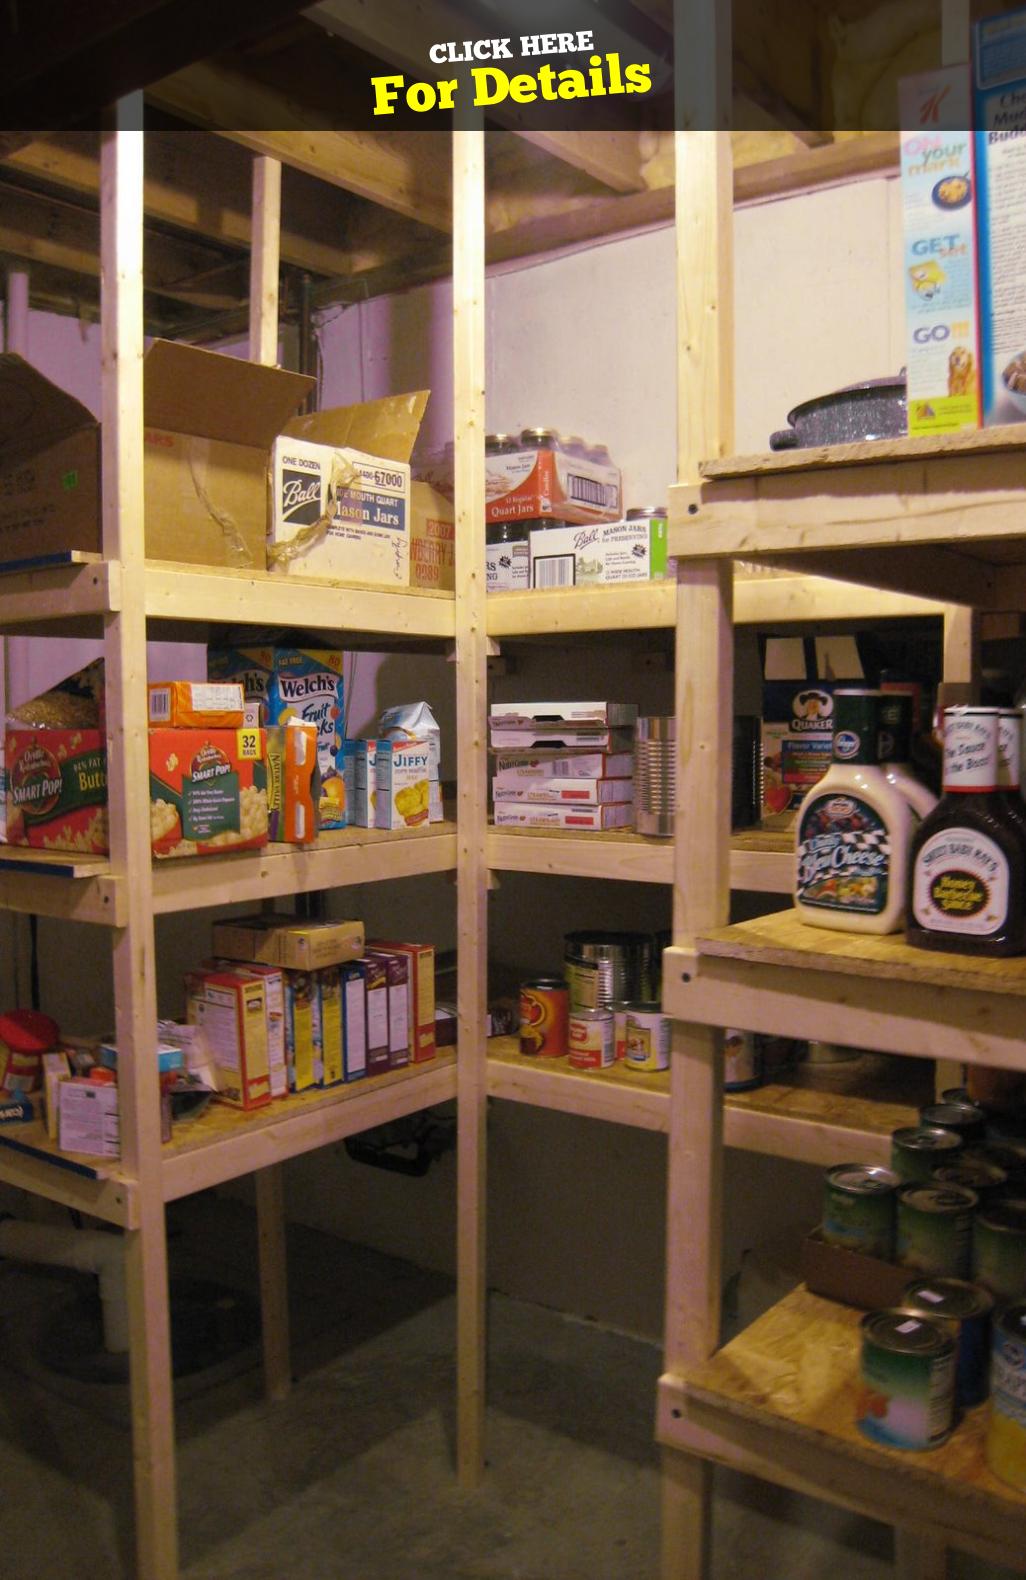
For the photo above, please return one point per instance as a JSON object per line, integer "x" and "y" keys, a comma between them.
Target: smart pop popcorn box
{"x": 208, "y": 791}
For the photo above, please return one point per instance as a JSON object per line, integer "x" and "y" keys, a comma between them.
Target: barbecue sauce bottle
{"x": 968, "y": 869}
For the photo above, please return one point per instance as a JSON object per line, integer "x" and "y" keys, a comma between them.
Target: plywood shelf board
{"x": 30, "y": 1161}
{"x": 225, "y": 1143}
{"x": 794, "y": 1372}
{"x": 983, "y": 441}
{"x": 783, "y": 940}
{"x": 621, "y": 1095}
{"x": 41, "y": 594}
{"x": 760, "y": 859}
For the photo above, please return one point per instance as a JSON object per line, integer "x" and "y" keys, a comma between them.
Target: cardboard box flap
{"x": 214, "y": 396}
{"x": 33, "y": 411}
{"x": 386, "y": 427}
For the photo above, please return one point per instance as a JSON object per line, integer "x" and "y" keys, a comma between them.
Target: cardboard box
{"x": 302, "y": 1030}
{"x": 848, "y": 1276}
{"x": 556, "y": 715}
{"x": 56, "y": 1070}
{"x": 274, "y": 1004}
{"x": 615, "y": 551}
{"x": 375, "y": 979}
{"x": 208, "y": 791}
{"x": 999, "y": 109}
{"x": 360, "y": 765}
{"x": 796, "y": 744}
{"x": 938, "y": 201}
{"x": 354, "y": 1021}
{"x": 579, "y": 817}
{"x": 196, "y": 704}
{"x": 397, "y": 976}
{"x": 507, "y": 566}
{"x": 401, "y": 772}
{"x": 282, "y": 941}
{"x": 421, "y": 959}
{"x": 329, "y": 1024}
{"x": 351, "y": 466}
{"x": 432, "y": 539}
{"x": 210, "y": 421}
{"x": 88, "y": 1120}
{"x": 293, "y": 783}
{"x": 515, "y": 771}
{"x": 57, "y": 789}
{"x": 557, "y": 792}
{"x": 303, "y": 683}
{"x": 231, "y": 1007}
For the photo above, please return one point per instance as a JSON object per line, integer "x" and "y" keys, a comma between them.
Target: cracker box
{"x": 796, "y": 746}
{"x": 940, "y": 276}
{"x": 397, "y": 976}
{"x": 329, "y": 1030}
{"x": 57, "y": 789}
{"x": 354, "y": 1021}
{"x": 302, "y": 683}
{"x": 302, "y": 1047}
{"x": 513, "y": 771}
{"x": 283, "y": 941}
{"x": 401, "y": 772}
{"x": 340, "y": 492}
{"x": 421, "y": 1001}
{"x": 196, "y": 704}
{"x": 231, "y": 1007}
{"x": 565, "y": 792}
{"x": 999, "y": 65}
{"x": 208, "y": 791}
{"x": 510, "y": 815}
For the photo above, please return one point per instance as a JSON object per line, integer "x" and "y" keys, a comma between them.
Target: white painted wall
{"x": 585, "y": 342}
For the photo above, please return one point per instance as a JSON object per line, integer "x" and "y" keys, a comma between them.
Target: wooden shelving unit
{"x": 940, "y": 518}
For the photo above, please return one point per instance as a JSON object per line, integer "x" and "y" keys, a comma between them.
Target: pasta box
{"x": 210, "y": 420}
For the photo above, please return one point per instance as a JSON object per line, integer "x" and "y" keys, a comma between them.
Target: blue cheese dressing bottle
{"x": 854, "y": 831}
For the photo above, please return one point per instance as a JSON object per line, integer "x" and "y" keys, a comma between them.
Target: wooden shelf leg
{"x": 153, "y": 1435}
{"x": 686, "y": 1488}
{"x": 274, "y": 1285}
{"x": 918, "y": 1555}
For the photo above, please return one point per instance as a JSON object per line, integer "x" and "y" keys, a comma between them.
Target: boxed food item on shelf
{"x": 421, "y": 1011}
{"x": 293, "y": 783}
{"x": 513, "y": 770}
{"x": 359, "y": 759}
{"x": 555, "y": 726}
{"x": 414, "y": 721}
{"x": 285, "y": 941}
{"x": 609, "y": 552}
{"x": 169, "y": 1056}
{"x": 375, "y": 981}
{"x": 939, "y": 204}
{"x": 208, "y": 791}
{"x": 561, "y": 792}
{"x": 56, "y": 767}
{"x": 401, "y": 771}
{"x": 397, "y": 977}
{"x": 210, "y": 422}
{"x": 231, "y": 1007}
{"x": 196, "y": 704}
{"x": 56, "y": 1070}
{"x": 302, "y": 1030}
{"x": 195, "y": 1049}
{"x": 576, "y": 817}
{"x": 88, "y": 1120}
{"x": 999, "y": 65}
{"x": 340, "y": 492}
{"x": 354, "y": 1021}
{"x": 432, "y": 539}
{"x": 299, "y": 683}
{"x": 274, "y": 1007}
{"x": 797, "y": 739}
{"x": 329, "y": 1029}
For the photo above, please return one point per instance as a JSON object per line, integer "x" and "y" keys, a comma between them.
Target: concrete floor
{"x": 351, "y": 1478}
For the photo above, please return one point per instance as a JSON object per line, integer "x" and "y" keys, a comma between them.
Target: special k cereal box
{"x": 208, "y": 791}
{"x": 57, "y": 789}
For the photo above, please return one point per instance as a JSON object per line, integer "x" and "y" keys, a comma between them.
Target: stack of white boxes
{"x": 563, "y": 764}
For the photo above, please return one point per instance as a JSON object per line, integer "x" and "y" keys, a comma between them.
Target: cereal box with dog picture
{"x": 940, "y": 263}
{"x": 208, "y": 791}
{"x": 56, "y": 767}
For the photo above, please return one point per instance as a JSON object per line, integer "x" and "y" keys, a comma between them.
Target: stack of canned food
{"x": 604, "y": 1008}
{"x": 952, "y": 1209}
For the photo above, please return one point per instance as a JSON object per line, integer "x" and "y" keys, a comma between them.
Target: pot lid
{"x": 896, "y": 384}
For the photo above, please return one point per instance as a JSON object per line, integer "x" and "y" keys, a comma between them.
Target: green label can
{"x": 965, "y": 1119}
{"x": 907, "y": 1374}
{"x": 999, "y": 1249}
{"x": 973, "y": 1172}
{"x": 1006, "y": 1428}
{"x": 918, "y": 1149}
{"x": 858, "y": 1209}
{"x": 935, "y": 1229}
{"x": 965, "y": 1311}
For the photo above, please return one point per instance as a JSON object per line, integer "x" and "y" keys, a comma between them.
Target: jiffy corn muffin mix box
{"x": 297, "y": 683}
{"x": 403, "y": 796}
{"x": 208, "y": 791}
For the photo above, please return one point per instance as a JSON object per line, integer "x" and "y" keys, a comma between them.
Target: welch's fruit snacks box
{"x": 297, "y": 683}
{"x": 999, "y": 106}
{"x": 940, "y": 277}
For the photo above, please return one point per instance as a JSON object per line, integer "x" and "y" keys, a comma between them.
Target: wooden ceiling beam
{"x": 201, "y": 183}
{"x": 614, "y": 158}
{"x": 407, "y": 173}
